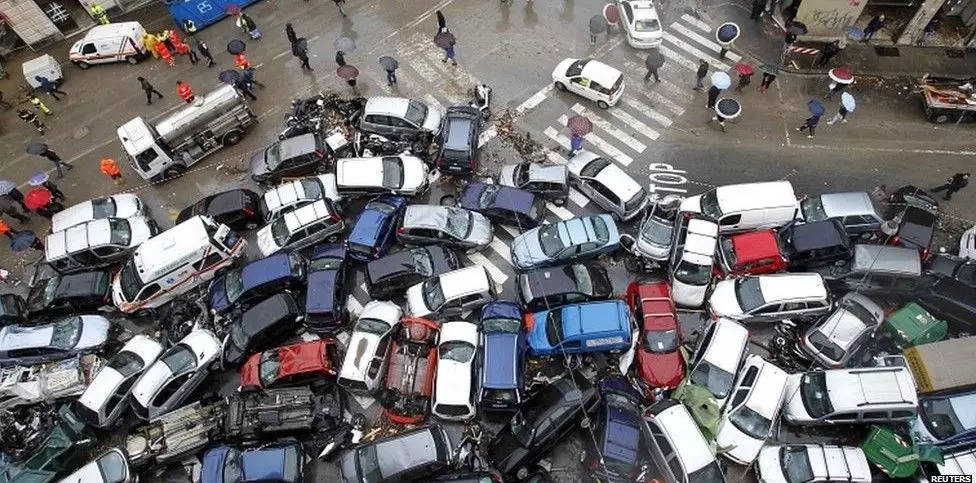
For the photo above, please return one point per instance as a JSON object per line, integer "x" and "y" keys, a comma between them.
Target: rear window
{"x": 813, "y": 209}
{"x": 103, "y": 207}
{"x": 416, "y": 113}
{"x": 392, "y": 173}
{"x": 360, "y": 248}
{"x": 647, "y": 25}
{"x": 601, "y": 230}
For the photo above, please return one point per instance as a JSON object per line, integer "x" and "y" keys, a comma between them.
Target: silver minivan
{"x": 608, "y": 185}
{"x": 399, "y": 116}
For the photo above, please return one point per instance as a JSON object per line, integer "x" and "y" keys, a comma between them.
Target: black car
{"x": 69, "y": 294}
{"x": 459, "y": 140}
{"x": 392, "y": 275}
{"x": 617, "y": 455}
{"x": 953, "y": 302}
{"x": 262, "y": 415}
{"x": 298, "y": 156}
{"x": 544, "y": 420}
{"x": 817, "y": 244}
{"x": 325, "y": 299}
{"x": 261, "y": 326}
{"x": 545, "y": 288}
{"x": 960, "y": 269}
{"x": 237, "y": 208}
{"x": 13, "y": 309}
{"x": 919, "y": 213}
{"x": 503, "y": 204}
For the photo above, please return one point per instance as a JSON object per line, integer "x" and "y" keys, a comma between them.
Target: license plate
{"x": 604, "y": 341}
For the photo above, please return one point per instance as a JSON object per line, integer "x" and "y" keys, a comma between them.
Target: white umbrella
{"x": 721, "y": 80}
{"x": 847, "y": 100}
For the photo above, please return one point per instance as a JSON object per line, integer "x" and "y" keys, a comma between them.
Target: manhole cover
{"x": 887, "y": 51}
{"x": 81, "y": 132}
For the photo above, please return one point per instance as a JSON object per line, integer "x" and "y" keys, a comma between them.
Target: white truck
{"x": 20, "y": 385}
{"x": 169, "y": 147}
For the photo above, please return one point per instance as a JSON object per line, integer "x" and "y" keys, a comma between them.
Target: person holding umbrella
{"x": 247, "y": 24}
{"x": 575, "y": 144}
{"x": 290, "y": 33}
{"x": 653, "y": 62}
{"x": 726, "y": 108}
{"x": 42, "y": 179}
{"x": 41, "y": 149}
{"x": 390, "y": 65}
{"x": 349, "y": 73}
{"x": 9, "y": 188}
{"x": 745, "y": 76}
{"x": 598, "y": 25}
{"x": 720, "y": 82}
{"x": 725, "y": 35}
{"x": 446, "y": 41}
{"x": 441, "y": 23}
{"x": 846, "y": 107}
{"x": 300, "y": 49}
{"x": 816, "y": 110}
{"x": 877, "y": 23}
{"x": 579, "y": 126}
{"x": 8, "y": 207}
{"x": 40, "y": 201}
{"x": 840, "y": 78}
{"x": 22, "y": 240}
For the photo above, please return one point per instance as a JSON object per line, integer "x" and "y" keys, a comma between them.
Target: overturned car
{"x": 410, "y": 371}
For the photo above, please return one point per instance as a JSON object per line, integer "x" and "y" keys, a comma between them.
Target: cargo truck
{"x": 946, "y": 392}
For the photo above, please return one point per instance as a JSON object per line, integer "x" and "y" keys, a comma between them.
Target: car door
{"x": 626, "y": 16}
{"x": 579, "y": 85}
{"x": 378, "y": 123}
{"x": 89, "y": 52}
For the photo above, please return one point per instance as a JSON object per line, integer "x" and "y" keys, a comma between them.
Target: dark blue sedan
{"x": 504, "y": 204}
{"x": 502, "y": 362}
{"x": 375, "y": 228}
{"x": 256, "y": 281}
{"x": 325, "y": 300}
{"x": 282, "y": 462}
{"x": 618, "y": 433}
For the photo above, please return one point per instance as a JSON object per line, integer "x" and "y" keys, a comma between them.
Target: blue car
{"x": 580, "y": 328}
{"x": 568, "y": 241}
{"x": 325, "y": 299}
{"x": 618, "y": 433}
{"x": 502, "y": 359}
{"x": 258, "y": 280}
{"x": 375, "y": 228}
{"x": 281, "y": 462}
{"x": 504, "y": 204}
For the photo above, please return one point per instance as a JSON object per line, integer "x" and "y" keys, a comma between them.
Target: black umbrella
{"x": 23, "y": 241}
{"x": 798, "y": 28}
{"x": 654, "y": 60}
{"x": 229, "y": 76}
{"x": 444, "y": 40}
{"x": 727, "y": 33}
{"x": 347, "y": 72}
{"x": 36, "y": 147}
{"x": 389, "y": 63}
{"x": 728, "y": 108}
{"x": 769, "y": 68}
{"x": 236, "y": 46}
{"x": 598, "y": 24}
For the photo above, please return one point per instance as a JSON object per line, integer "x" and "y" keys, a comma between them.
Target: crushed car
{"x": 410, "y": 371}
{"x": 258, "y": 416}
{"x": 20, "y": 385}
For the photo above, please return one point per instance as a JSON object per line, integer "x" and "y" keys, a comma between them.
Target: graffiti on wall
{"x": 829, "y": 17}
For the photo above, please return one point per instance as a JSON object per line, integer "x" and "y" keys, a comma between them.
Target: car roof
{"x": 268, "y": 313}
{"x": 464, "y": 281}
{"x": 681, "y": 430}
{"x": 501, "y": 354}
{"x": 406, "y": 451}
{"x": 387, "y": 105}
{"x": 819, "y": 234}
{"x": 770, "y": 381}
{"x": 547, "y": 172}
{"x": 601, "y": 73}
{"x": 837, "y": 205}
{"x": 297, "y": 146}
{"x": 791, "y": 286}
{"x": 590, "y": 317}
{"x": 456, "y": 131}
{"x": 657, "y": 306}
{"x": 20, "y": 336}
{"x": 643, "y": 9}
{"x": 724, "y": 355}
{"x": 850, "y": 460}
{"x": 884, "y": 258}
{"x": 428, "y": 216}
{"x": 871, "y": 385}
{"x": 367, "y": 227}
{"x": 308, "y": 214}
{"x": 506, "y": 197}
{"x": 226, "y": 202}
{"x": 842, "y": 326}
{"x": 700, "y": 242}
{"x": 618, "y": 181}
{"x": 551, "y": 280}
{"x": 755, "y": 245}
{"x": 362, "y": 171}
{"x": 735, "y": 198}
{"x": 83, "y": 283}
{"x": 266, "y": 269}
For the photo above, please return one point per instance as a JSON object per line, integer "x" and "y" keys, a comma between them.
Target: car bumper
{"x": 639, "y": 43}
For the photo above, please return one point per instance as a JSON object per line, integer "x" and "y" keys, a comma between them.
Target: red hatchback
{"x": 292, "y": 365}
{"x": 659, "y": 362}
{"x": 410, "y": 371}
{"x": 750, "y": 253}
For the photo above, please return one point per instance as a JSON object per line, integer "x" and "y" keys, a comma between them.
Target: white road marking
{"x": 691, "y": 49}
{"x": 427, "y": 72}
{"x": 559, "y": 211}
{"x": 673, "y": 90}
{"x": 709, "y": 44}
{"x": 599, "y": 122}
{"x": 510, "y": 230}
{"x": 502, "y": 249}
{"x": 561, "y": 140}
{"x": 680, "y": 59}
{"x": 496, "y": 274}
{"x": 534, "y": 101}
{"x": 353, "y": 306}
{"x": 656, "y": 97}
{"x": 635, "y": 123}
{"x": 647, "y": 111}
{"x": 603, "y": 145}
{"x": 487, "y": 135}
{"x": 704, "y": 27}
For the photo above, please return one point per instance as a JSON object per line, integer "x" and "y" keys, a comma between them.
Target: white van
{"x": 114, "y": 42}
{"x": 851, "y": 396}
{"x": 174, "y": 262}
{"x": 748, "y": 206}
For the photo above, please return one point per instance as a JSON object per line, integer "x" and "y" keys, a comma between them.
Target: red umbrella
{"x": 347, "y": 72}
{"x": 579, "y": 125}
{"x": 841, "y": 75}
{"x": 37, "y": 198}
{"x": 611, "y": 13}
{"x": 744, "y": 69}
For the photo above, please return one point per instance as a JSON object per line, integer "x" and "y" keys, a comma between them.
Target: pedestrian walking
{"x": 241, "y": 61}
{"x": 720, "y": 120}
{"x": 929, "y": 29}
{"x": 18, "y": 196}
{"x": 300, "y": 50}
{"x": 957, "y": 182}
{"x": 290, "y": 33}
{"x": 56, "y": 193}
{"x": 840, "y": 116}
{"x": 700, "y": 74}
{"x": 245, "y": 89}
{"x": 39, "y": 105}
{"x": 757, "y": 9}
{"x": 149, "y": 89}
{"x": 109, "y": 168}
{"x": 204, "y": 50}
{"x": 49, "y": 87}
{"x": 249, "y": 77}
{"x": 8, "y": 206}
{"x": 340, "y": 58}
{"x": 767, "y": 80}
{"x": 810, "y": 124}
{"x": 830, "y": 50}
{"x": 877, "y": 23}
{"x": 713, "y": 93}
{"x": 834, "y": 88}
{"x": 650, "y": 72}
{"x": 165, "y": 53}
{"x": 575, "y": 144}
{"x": 247, "y": 24}
{"x": 31, "y": 118}
{"x": 389, "y": 65}
{"x": 342, "y": 6}
{"x": 744, "y": 81}
{"x": 184, "y": 91}
{"x": 58, "y": 162}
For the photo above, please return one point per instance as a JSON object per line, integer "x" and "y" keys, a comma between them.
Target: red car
{"x": 659, "y": 360}
{"x": 292, "y": 365}
{"x": 750, "y": 253}
{"x": 410, "y": 373}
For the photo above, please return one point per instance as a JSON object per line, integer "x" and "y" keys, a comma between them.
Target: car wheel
{"x": 522, "y": 473}
{"x": 562, "y": 87}
{"x": 174, "y": 171}
{"x": 82, "y": 65}
{"x": 332, "y": 238}
{"x": 585, "y": 423}
{"x": 132, "y": 59}
{"x": 559, "y": 201}
{"x": 940, "y": 118}
{"x": 602, "y": 105}
{"x": 233, "y": 138}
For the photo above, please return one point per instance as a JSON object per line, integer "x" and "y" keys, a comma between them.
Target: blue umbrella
{"x": 23, "y": 241}
{"x": 847, "y": 100}
{"x": 721, "y": 80}
{"x": 38, "y": 179}
{"x": 815, "y": 107}
{"x": 727, "y": 33}
{"x": 855, "y": 33}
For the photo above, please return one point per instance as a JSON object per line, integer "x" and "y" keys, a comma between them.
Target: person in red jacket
{"x": 184, "y": 91}
{"x": 165, "y": 53}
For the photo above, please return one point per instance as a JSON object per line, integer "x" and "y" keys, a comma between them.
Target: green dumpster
{"x": 912, "y": 325}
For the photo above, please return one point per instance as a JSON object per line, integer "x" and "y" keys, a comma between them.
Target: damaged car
{"x": 410, "y": 371}
{"x": 259, "y": 416}
{"x": 20, "y": 385}
{"x": 315, "y": 362}
{"x": 104, "y": 400}
{"x": 176, "y": 374}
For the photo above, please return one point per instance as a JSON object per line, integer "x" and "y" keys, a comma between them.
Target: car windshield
{"x": 941, "y": 419}
{"x": 692, "y": 273}
{"x": 813, "y": 393}
{"x": 129, "y": 280}
{"x": 863, "y": 315}
{"x": 280, "y": 232}
{"x": 661, "y": 341}
{"x": 647, "y": 25}
{"x": 112, "y": 467}
{"x": 620, "y": 401}
{"x": 488, "y": 195}
{"x": 232, "y": 467}
{"x": 707, "y": 474}
{"x": 66, "y": 333}
{"x": 594, "y": 167}
{"x": 41, "y": 298}
{"x": 416, "y": 113}
{"x": 717, "y": 381}
{"x": 501, "y": 324}
{"x": 103, "y": 208}
{"x": 554, "y": 327}
{"x": 324, "y": 263}
{"x": 120, "y": 233}
{"x": 433, "y": 294}
{"x": 312, "y": 188}
{"x": 522, "y": 431}
{"x": 180, "y": 358}
{"x": 581, "y": 274}
{"x": 268, "y": 367}
{"x": 813, "y": 210}
{"x": 238, "y": 337}
{"x": 521, "y": 174}
{"x": 272, "y": 156}
{"x": 825, "y": 346}
{"x": 634, "y": 202}
{"x": 657, "y": 231}
{"x": 749, "y": 293}
{"x": 795, "y": 463}
{"x": 126, "y": 363}
{"x": 709, "y": 205}
{"x": 576, "y": 68}
{"x": 459, "y": 223}
{"x": 422, "y": 262}
{"x": 233, "y": 285}
{"x": 369, "y": 464}
{"x": 372, "y": 326}
{"x": 456, "y": 351}
{"x": 750, "y": 422}
{"x": 550, "y": 241}
{"x": 392, "y": 173}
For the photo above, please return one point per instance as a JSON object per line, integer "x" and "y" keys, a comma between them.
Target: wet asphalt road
{"x": 659, "y": 132}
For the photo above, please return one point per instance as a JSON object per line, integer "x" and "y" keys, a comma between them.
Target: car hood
{"x": 559, "y": 72}
{"x": 737, "y": 445}
{"x": 94, "y": 332}
{"x": 768, "y": 465}
{"x": 660, "y": 370}
{"x": 793, "y": 408}
{"x": 127, "y": 206}
{"x": 527, "y": 251}
{"x": 688, "y": 295}
{"x": 481, "y": 230}
{"x": 258, "y": 166}
{"x": 416, "y": 307}
{"x": 537, "y": 336}
{"x": 506, "y": 453}
{"x": 433, "y": 122}
{"x": 347, "y": 466}
{"x": 506, "y": 176}
{"x": 266, "y": 242}
{"x": 691, "y": 204}
{"x": 218, "y": 295}
{"x": 141, "y": 230}
{"x": 414, "y": 175}
{"x": 723, "y": 301}
{"x": 359, "y": 353}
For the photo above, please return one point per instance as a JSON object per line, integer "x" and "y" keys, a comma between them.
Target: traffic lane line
{"x": 496, "y": 274}
{"x": 710, "y": 45}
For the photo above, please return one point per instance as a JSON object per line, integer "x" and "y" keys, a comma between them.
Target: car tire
{"x": 585, "y": 423}
{"x": 174, "y": 171}
{"x": 332, "y": 238}
{"x": 559, "y": 87}
{"x": 522, "y": 473}
{"x": 941, "y": 118}
{"x": 602, "y": 105}
{"x": 232, "y": 138}
{"x": 132, "y": 59}
{"x": 559, "y": 201}
{"x": 82, "y": 65}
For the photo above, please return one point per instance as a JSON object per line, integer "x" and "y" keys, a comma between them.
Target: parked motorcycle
{"x": 482, "y": 100}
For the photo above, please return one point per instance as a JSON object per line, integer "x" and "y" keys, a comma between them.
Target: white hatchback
{"x": 453, "y": 394}
{"x": 591, "y": 79}
{"x": 747, "y": 421}
{"x": 692, "y": 262}
{"x": 641, "y": 22}
{"x": 366, "y": 353}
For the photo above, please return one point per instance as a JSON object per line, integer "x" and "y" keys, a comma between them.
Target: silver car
{"x": 547, "y": 180}
{"x": 398, "y": 116}
{"x": 64, "y": 338}
{"x": 176, "y": 374}
{"x": 608, "y": 185}
{"x": 302, "y": 227}
{"x": 445, "y": 225}
{"x": 834, "y": 340}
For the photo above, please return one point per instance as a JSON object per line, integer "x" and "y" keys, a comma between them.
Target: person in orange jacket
{"x": 110, "y": 169}
{"x": 184, "y": 91}
{"x": 164, "y": 52}
{"x": 241, "y": 61}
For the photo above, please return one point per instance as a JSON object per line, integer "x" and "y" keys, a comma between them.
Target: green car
{"x": 912, "y": 325}
{"x": 66, "y": 448}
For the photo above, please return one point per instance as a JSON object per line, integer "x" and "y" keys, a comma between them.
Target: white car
{"x": 298, "y": 193}
{"x": 812, "y": 462}
{"x": 299, "y": 228}
{"x": 109, "y": 467}
{"x": 693, "y": 261}
{"x": 115, "y": 206}
{"x": 22, "y": 385}
{"x": 366, "y": 353}
{"x": 453, "y": 387}
{"x": 451, "y": 293}
{"x": 641, "y": 23}
{"x": 753, "y": 408}
{"x": 718, "y": 355}
{"x": 176, "y": 374}
{"x": 770, "y": 298}
{"x": 104, "y": 400}
{"x": 591, "y": 79}
{"x": 967, "y": 244}
{"x": 400, "y": 175}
